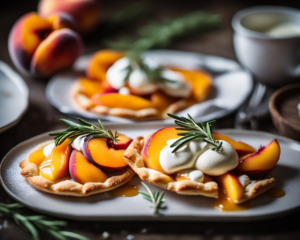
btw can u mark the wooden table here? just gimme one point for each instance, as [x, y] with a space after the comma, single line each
[41, 117]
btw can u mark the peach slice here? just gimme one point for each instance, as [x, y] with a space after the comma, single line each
[241, 148]
[56, 165]
[155, 144]
[260, 163]
[200, 80]
[116, 100]
[104, 154]
[37, 157]
[90, 87]
[100, 62]
[82, 171]
[232, 186]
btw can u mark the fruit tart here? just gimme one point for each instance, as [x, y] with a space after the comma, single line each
[83, 160]
[118, 85]
[191, 160]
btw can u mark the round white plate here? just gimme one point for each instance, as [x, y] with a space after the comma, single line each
[13, 97]
[231, 86]
[179, 207]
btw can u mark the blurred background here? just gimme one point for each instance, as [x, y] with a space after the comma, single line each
[41, 117]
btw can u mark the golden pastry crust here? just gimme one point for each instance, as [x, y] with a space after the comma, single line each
[144, 114]
[66, 186]
[135, 160]
[256, 189]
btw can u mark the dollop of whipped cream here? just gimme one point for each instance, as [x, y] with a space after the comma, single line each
[183, 158]
[139, 82]
[215, 163]
[78, 143]
[199, 155]
[48, 149]
[193, 175]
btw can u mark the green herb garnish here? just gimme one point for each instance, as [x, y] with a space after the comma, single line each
[155, 198]
[158, 35]
[85, 129]
[192, 130]
[33, 224]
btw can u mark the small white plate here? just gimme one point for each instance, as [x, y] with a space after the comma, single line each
[231, 86]
[179, 207]
[13, 97]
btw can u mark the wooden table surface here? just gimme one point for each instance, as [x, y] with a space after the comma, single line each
[41, 117]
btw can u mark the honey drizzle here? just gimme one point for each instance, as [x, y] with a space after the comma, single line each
[276, 193]
[223, 203]
[126, 190]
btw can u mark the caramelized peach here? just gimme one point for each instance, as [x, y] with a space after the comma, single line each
[105, 155]
[200, 80]
[260, 163]
[90, 87]
[82, 171]
[241, 148]
[37, 157]
[100, 62]
[232, 186]
[116, 100]
[40, 46]
[155, 144]
[85, 12]
[56, 165]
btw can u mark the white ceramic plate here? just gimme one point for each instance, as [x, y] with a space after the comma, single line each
[179, 207]
[231, 86]
[13, 97]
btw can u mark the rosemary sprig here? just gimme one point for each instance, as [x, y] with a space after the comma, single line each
[153, 74]
[157, 35]
[84, 129]
[34, 224]
[192, 130]
[155, 198]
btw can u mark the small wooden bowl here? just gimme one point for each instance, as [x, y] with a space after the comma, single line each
[284, 111]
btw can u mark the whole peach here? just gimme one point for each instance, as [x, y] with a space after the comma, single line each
[41, 46]
[85, 12]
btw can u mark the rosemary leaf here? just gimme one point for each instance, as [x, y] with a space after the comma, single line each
[192, 130]
[84, 129]
[155, 198]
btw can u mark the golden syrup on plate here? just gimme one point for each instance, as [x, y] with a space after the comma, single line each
[276, 193]
[225, 204]
[126, 190]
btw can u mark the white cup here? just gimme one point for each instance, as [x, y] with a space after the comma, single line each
[273, 60]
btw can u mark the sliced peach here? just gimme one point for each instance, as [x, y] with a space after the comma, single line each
[232, 186]
[161, 101]
[37, 157]
[56, 165]
[82, 171]
[241, 148]
[102, 154]
[90, 87]
[155, 144]
[262, 162]
[100, 62]
[116, 100]
[200, 80]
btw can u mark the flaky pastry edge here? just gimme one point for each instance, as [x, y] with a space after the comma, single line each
[134, 159]
[66, 186]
